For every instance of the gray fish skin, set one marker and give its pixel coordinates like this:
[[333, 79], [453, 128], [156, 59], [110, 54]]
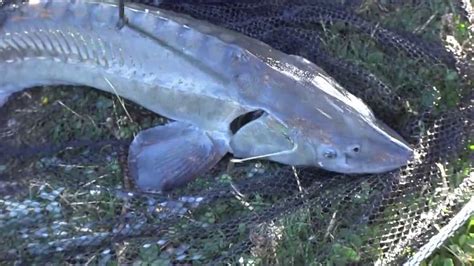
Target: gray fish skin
[[198, 74]]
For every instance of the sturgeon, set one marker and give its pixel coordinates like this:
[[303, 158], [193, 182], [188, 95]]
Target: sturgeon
[[201, 76]]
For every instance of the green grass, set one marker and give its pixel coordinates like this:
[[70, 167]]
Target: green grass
[[458, 250]]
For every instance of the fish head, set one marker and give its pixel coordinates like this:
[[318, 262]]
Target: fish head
[[340, 134], [320, 123], [340, 130], [348, 145], [355, 151], [364, 150], [345, 146]]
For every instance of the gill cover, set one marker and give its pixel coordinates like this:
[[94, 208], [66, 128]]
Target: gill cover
[[261, 137]]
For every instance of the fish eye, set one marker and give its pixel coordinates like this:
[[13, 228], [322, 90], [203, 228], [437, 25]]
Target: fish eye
[[355, 148], [330, 154]]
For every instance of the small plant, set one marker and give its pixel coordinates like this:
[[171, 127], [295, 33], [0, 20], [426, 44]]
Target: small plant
[[458, 250]]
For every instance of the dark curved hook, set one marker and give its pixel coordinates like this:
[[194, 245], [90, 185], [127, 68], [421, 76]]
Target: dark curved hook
[[122, 18]]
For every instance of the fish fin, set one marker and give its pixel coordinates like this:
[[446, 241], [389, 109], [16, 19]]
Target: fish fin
[[165, 157], [262, 136]]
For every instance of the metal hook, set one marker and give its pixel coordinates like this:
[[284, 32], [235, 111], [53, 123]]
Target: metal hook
[[122, 18]]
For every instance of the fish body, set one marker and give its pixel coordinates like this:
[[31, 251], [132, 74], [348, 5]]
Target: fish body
[[201, 76]]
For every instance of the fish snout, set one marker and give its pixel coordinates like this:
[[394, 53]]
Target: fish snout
[[377, 158], [391, 151], [392, 156]]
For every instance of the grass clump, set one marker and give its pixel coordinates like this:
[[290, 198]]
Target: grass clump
[[458, 250]]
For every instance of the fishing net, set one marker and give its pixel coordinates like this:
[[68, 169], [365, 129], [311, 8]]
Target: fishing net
[[66, 195]]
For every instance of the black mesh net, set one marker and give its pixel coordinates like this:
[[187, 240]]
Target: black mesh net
[[66, 194]]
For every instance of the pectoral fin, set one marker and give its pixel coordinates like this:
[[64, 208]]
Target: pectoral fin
[[262, 136], [166, 157]]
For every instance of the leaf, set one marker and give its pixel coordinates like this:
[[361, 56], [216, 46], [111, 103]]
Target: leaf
[[436, 260], [448, 262], [375, 57], [470, 226], [345, 253], [468, 246], [44, 100], [456, 249], [430, 97], [451, 75], [242, 228], [462, 28], [104, 103]]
